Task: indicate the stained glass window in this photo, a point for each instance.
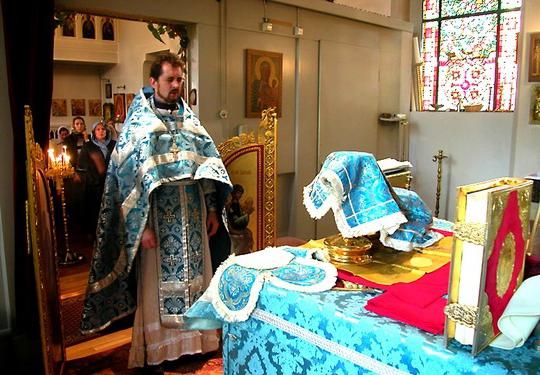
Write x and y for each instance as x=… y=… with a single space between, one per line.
x=469 y=50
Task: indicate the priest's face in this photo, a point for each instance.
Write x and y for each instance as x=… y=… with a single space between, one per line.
x=167 y=86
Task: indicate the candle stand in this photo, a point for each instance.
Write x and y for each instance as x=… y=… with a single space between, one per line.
x=59 y=169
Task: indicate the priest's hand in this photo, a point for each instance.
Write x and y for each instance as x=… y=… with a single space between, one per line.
x=212 y=223
x=148 y=239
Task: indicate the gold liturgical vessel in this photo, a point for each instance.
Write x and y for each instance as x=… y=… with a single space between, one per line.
x=354 y=250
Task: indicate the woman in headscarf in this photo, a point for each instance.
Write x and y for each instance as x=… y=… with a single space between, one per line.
x=93 y=161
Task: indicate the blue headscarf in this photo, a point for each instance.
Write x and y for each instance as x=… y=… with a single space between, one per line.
x=101 y=144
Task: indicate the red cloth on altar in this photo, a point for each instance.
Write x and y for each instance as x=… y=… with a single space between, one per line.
x=419 y=303
x=443 y=232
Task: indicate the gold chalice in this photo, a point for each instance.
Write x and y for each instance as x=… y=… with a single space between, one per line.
x=348 y=250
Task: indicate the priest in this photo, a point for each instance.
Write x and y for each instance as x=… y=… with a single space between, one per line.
x=164 y=194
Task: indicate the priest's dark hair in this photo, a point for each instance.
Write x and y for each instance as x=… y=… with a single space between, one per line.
x=167 y=57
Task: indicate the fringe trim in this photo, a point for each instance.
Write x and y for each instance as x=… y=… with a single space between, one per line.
x=389 y=223
x=334 y=188
x=402 y=245
x=268 y=258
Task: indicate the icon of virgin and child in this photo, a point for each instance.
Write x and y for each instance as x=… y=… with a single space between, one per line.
x=265 y=88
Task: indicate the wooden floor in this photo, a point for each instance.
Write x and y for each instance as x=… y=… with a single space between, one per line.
x=72 y=282
x=108 y=354
x=99 y=345
x=115 y=362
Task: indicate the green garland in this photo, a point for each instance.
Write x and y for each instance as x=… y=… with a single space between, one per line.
x=172 y=31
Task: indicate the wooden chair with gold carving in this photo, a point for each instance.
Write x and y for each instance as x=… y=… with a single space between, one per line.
x=55 y=313
x=251 y=163
x=42 y=244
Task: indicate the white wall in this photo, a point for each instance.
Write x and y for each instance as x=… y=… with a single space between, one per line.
x=478 y=146
x=134 y=42
x=75 y=81
x=526 y=158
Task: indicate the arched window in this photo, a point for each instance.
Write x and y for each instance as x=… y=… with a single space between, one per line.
x=68 y=27
x=470 y=53
x=107 y=30
x=88 y=27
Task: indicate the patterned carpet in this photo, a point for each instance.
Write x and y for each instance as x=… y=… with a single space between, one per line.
x=115 y=363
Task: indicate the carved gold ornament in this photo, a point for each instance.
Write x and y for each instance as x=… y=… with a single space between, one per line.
x=462 y=314
x=470 y=232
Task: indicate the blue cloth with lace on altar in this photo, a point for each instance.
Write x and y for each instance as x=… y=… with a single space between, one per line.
x=416 y=231
x=353 y=186
x=291 y=332
x=234 y=290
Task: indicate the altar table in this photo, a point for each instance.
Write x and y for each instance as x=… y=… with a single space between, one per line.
x=331 y=333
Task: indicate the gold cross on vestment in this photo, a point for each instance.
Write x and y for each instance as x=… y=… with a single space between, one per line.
x=174 y=148
x=169 y=216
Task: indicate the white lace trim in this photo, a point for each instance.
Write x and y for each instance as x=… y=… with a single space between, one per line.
x=334 y=188
x=402 y=245
x=325 y=344
x=389 y=223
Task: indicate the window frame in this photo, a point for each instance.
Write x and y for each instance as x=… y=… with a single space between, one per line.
x=498 y=12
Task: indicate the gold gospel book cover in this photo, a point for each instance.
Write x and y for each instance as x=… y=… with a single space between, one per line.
x=488 y=256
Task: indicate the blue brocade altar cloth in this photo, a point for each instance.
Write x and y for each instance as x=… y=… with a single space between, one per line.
x=331 y=333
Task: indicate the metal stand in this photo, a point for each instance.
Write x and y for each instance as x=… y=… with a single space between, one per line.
x=70 y=257
x=438 y=159
x=58 y=173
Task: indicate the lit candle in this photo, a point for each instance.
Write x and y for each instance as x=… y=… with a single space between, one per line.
x=51 y=157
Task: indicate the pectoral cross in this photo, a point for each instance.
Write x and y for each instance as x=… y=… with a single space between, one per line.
x=169 y=216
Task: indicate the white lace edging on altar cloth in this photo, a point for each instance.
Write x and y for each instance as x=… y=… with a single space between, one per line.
x=348 y=354
x=334 y=189
x=212 y=294
x=389 y=224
